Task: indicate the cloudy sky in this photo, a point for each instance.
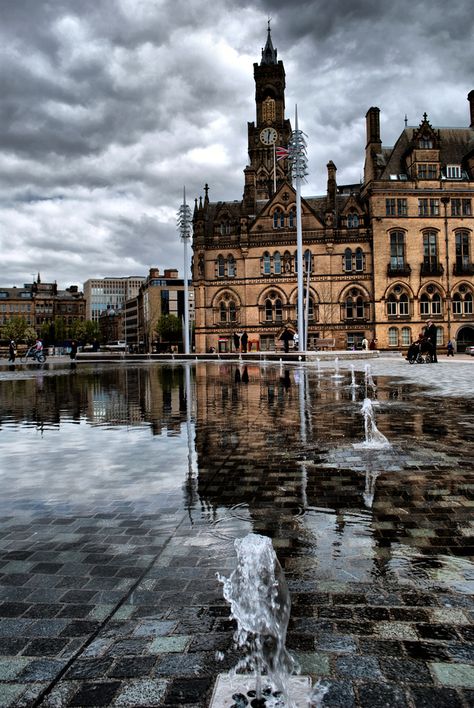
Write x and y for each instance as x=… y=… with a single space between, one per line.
x=109 y=107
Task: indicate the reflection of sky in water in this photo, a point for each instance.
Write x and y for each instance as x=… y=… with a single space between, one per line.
x=74 y=462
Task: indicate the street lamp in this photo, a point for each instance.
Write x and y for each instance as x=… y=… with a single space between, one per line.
x=184 y=228
x=298 y=162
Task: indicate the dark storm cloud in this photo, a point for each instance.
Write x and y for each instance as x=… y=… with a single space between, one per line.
x=109 y=106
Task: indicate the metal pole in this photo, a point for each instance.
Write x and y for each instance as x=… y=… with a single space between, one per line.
x=184 y=227
x=445 y=202
x=298 y=158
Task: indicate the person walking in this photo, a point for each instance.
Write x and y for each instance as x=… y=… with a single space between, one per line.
x=365 y=344
x=430 y=334
x=12 y=351
x=73 y=352
x=450 y=348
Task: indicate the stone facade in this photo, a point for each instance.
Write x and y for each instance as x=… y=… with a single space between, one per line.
x=380 y=258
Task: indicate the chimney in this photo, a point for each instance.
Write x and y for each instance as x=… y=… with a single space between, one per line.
x=374 y=144
x=373 y=125
x=470 y=98
x=332 y=186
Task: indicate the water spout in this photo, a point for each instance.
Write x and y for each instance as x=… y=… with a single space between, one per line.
x=353 y=383
x=374 y=439
x=260 y=604
x=336 y=374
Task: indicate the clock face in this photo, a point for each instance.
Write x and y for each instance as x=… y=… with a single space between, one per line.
x=268 y=136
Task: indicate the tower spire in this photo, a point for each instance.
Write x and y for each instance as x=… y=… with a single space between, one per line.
x=269 y=54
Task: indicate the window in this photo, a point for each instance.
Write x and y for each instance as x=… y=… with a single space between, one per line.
x=397 y=250
x=273 y=308
x=406 y=336
x=232 y=311
x=277 y=263
x=428 y=207
x=398 y=304
x=466 y=207
x=267 y=266
x=427 y=171
x=352 y=220
x=359 y=260
x=278 y=310
x=462 y=250
x=430 y=302
x=231 y=272
x=223 y=312
x=227 y=310
x=425 y=143
x=390 y=207
x=402 y=207
x=307 y=261
x=310 y=309
x=453 y=171
x=225 y=228
x=430 y=250
x=455 y=207
x=347 y=262
x=393 y=337
x=292 y=218
x=462 y=302
x=278 y=219
x=354 y=305
x=220 y=266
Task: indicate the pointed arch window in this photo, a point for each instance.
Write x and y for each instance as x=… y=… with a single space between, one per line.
x=292 y=218
x=359 y=260
x=278 y=219
x=223 y=312
x=462 y=302
x=220 y=266
x=268 y=310
x=231 y=269
x=352 y=220
x=277 y=263
x=348 y=260
x=308 y=261
x=267 y=264
x=430 y=302
x=354 y=305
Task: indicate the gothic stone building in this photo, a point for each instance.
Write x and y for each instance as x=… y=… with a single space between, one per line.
x=380 y=258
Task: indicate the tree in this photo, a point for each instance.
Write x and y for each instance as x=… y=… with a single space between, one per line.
x=17 y=328
x=169 y=328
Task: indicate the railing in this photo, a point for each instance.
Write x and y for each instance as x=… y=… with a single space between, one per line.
x=430 y=269
x=463 y=269
x=398 y=271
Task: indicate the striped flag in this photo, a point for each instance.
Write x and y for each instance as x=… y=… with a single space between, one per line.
x=282 y=153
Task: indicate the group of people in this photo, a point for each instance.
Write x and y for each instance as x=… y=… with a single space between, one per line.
x=426 y=344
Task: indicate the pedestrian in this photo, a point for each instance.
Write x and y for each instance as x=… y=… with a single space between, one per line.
x=431 y=335
x=12 y=351
x=286 y=337
x=236 y=342
x=244 y=340
x=365 y=344
x=450 y=348
x=373 y=344
x=73 y=352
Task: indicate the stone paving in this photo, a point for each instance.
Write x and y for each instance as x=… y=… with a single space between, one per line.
x=109 y=599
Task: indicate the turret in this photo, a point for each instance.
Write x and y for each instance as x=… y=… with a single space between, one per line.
x=374 y=143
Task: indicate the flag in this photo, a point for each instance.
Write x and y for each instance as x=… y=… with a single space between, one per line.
x=282 y=153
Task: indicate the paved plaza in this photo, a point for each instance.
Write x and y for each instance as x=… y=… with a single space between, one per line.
x=108 y=588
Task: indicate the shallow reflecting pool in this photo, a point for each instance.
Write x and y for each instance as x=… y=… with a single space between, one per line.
x=124 y=487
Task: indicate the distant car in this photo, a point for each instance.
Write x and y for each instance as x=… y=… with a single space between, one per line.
x=117 y=346
x=469 y=350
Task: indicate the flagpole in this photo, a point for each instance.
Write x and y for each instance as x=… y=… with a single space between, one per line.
x=184 y=227
x=299 y=237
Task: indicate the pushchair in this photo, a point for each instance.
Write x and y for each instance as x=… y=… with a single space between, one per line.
x=420 y=352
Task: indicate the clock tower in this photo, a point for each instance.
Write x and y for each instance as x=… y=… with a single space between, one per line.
x=271 y=128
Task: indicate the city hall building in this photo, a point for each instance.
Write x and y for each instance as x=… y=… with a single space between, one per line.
x=380 y=258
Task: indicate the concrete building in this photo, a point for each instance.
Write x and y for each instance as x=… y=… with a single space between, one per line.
x=380 y=258
x=109 y=293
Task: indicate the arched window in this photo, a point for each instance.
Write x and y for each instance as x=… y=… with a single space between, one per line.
x=347 y=260
x=468 y=304
x=359 y=260
x=393 y=337
x=231 y=266
x=220 y=266
x=397 y=250
x=232 y=311
x=430 y=250
x=430 y=302
x=278 y=219
x=223 y=312
x=267 y=266
x=311 y=309
x=277 y=263
x=354 y=305
x=403 y=304
x=392 y=305
x=268 y=310
x=463 y=259
x=292 y=218
x=225 y=227
x=406 y=336
x=352 y=220
x=278 y=310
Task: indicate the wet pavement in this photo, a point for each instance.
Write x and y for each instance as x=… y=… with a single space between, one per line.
x=124 y=487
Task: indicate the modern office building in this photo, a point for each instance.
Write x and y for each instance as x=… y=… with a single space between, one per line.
x=109 y=294
x=380 y=258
